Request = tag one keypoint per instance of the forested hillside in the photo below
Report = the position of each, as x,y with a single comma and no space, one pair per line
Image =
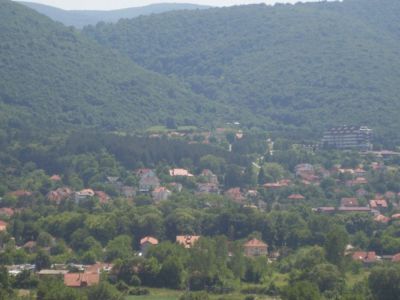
296,68
53,77
80,18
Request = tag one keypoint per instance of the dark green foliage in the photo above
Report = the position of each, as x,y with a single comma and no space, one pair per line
294,69
195,296
42,260
302,290
103,291
335,245
54,77
384,282
56,290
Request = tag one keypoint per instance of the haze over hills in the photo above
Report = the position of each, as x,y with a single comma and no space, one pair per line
53,77
81,18
304,66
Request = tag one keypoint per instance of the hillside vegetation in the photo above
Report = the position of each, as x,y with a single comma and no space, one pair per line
81,18
53,77
293,68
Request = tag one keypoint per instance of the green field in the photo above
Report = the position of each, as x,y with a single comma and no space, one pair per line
164,294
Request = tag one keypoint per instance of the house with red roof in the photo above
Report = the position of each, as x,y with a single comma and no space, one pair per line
378,204
187,241
59,195
296,197
160,194
146,243
396,258
103,197
78,280
3,226
365,257
382,219
396,217
55,178
255,247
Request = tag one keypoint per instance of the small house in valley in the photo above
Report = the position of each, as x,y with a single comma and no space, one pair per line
255,247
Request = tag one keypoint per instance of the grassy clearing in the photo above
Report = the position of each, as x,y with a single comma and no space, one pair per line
165,294
157,129
352,279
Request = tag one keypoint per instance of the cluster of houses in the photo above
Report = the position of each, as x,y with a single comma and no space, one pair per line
370,257
376,207
252,248
81,276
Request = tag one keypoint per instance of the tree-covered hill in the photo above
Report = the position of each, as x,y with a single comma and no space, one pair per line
52,76
300,67
81,18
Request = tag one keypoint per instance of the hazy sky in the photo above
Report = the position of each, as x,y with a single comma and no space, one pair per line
115,4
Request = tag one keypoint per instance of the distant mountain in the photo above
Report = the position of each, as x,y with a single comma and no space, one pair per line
53,77
293,68
81,18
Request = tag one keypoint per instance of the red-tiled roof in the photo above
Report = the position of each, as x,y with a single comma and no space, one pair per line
103,197
55,178
377,203
396,258
161,189
187,240
255,243
382,219
365,256
149,239
81,279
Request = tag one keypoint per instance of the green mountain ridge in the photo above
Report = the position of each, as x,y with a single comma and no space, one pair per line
298,68
81,18
53,77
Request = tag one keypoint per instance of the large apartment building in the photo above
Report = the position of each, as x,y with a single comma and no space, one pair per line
348,137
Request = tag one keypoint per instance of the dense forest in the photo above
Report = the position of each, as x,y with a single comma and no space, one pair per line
293,70
53,77
298,68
